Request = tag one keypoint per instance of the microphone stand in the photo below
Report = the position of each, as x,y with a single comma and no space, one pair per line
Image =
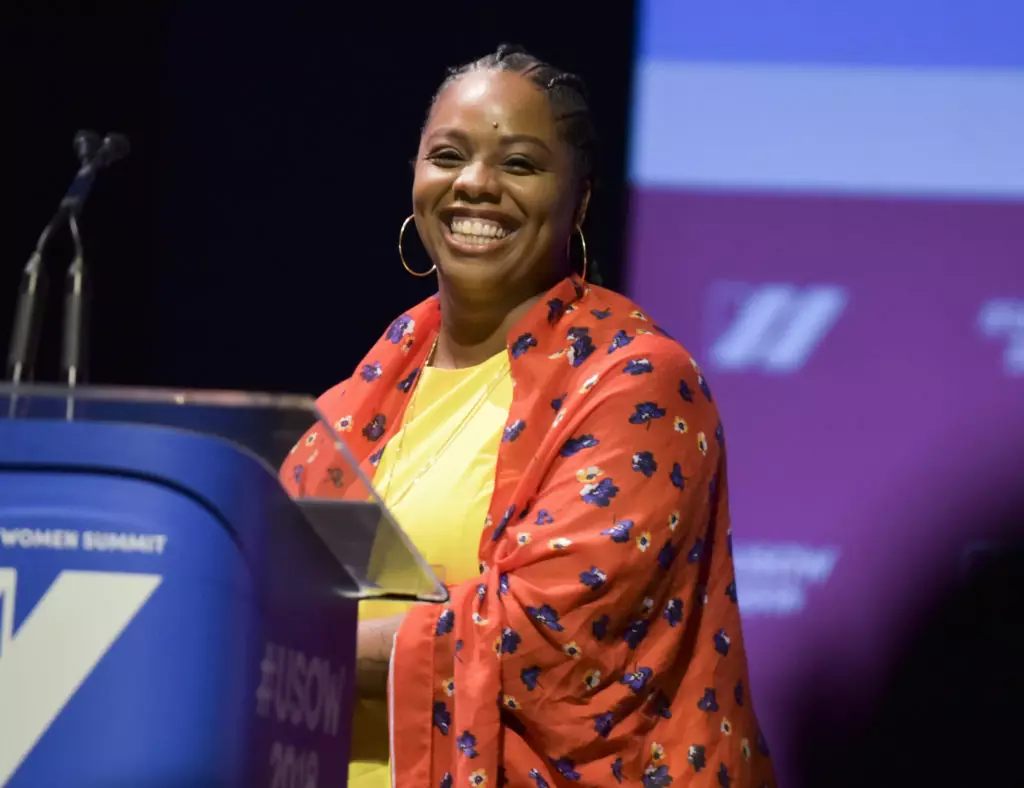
28,313
73,343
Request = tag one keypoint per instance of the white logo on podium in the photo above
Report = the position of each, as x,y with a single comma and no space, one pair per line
56,647
775,327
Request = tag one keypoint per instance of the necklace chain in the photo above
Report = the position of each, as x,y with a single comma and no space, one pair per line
505,369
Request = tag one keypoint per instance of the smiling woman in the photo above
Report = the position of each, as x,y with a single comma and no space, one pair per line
560,460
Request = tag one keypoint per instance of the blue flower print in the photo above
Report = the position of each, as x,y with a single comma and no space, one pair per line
522,344
678,480
375,429
619,532
574,446
509,641
600,627
375,457
719,434
722,642
620,340
503,523
704,387
637,679
696,553
370,372
737,693
546,615
635,633
730,592
445,622
646,412
708,701
638,366
577,332
556,404
674,612
660,706
617,770
580,350
400,329
593,578
481,591
567,769
556,308
603,724
657,777
666,555
643,462
601,314
544,517
537,778
530,677
599,494
442,717
724,779
697,756
502,584
297,472
467,744
513,431
446,781
405,384
684,391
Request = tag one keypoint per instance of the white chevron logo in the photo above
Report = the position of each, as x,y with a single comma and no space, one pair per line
57,646
777,327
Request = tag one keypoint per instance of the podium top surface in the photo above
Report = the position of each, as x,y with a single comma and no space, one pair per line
255,430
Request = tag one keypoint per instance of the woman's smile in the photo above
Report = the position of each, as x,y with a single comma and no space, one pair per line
471,232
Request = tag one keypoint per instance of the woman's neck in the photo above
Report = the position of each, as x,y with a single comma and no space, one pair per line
472,332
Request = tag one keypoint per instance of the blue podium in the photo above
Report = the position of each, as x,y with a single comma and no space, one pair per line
169,616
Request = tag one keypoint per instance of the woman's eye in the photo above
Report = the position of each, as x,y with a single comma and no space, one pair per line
445,158
520,164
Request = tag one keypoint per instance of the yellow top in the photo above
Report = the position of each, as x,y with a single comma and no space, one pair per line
455,420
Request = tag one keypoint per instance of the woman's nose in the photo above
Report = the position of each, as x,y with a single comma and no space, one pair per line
476,181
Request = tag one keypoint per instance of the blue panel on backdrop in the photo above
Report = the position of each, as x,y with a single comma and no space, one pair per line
947,33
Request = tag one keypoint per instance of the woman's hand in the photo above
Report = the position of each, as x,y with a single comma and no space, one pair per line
374,643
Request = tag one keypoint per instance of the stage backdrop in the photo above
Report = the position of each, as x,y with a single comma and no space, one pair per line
828,211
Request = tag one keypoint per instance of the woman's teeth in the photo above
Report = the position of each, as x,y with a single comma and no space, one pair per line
477,231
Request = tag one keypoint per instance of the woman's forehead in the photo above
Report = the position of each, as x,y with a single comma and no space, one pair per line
485,98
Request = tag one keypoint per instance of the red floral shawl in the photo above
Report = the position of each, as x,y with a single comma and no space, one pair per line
601,644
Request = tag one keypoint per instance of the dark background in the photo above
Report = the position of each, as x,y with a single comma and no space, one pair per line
248,241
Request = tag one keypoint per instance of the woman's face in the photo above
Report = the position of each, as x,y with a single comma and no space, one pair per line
494,193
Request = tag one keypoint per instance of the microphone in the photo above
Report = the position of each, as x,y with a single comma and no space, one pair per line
74,340
93,155
28,313
113,148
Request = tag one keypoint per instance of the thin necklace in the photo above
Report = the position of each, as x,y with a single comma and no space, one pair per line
505,369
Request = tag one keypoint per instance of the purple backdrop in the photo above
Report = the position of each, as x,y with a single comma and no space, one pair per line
840,242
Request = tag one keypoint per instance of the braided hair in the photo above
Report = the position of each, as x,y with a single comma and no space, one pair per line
566,93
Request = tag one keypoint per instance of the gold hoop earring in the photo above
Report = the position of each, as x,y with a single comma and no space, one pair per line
583,246
405,265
